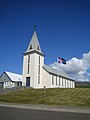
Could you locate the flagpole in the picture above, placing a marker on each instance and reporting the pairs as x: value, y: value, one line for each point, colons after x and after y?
x: 57, y: 74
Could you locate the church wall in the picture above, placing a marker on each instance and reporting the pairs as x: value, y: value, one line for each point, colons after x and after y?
x: 66, y: 83
x: 54, y: 81
x: 33, y: 70
x: 38, y: 72
x: 46, y: 79
x: 59, y: 82
x: 25, y: 66
x: 73, y: 84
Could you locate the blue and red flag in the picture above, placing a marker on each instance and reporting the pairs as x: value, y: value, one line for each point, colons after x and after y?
x: 61, y: 60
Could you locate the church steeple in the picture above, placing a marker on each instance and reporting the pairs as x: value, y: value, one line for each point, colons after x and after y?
x: 33, y: 63
x: 34, y: 43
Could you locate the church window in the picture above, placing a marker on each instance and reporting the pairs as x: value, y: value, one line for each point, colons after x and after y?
x: 39, y: 59
x: 38, y: 69
x: 38, y: 74
x: 28, y: 58
x: 52, y: 79
x: 38, y: 48
x: 59, y: 81
x: 56, y: 80
x: 62, y: 81
x: 28, y: 64
x: 70, y: 84
x: 38, y: 79
x: 28, y: 69
x: 30, y: 47
x: 65, y: 82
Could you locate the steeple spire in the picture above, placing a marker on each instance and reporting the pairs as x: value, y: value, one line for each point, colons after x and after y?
x: 34, y: 43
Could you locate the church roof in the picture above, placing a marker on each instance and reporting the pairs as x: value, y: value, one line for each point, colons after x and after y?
x: 34, y: 43
x: 14, y: 77
x: 57, y: 72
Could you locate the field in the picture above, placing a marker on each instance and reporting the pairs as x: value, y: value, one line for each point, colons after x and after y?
x: 64, y: 97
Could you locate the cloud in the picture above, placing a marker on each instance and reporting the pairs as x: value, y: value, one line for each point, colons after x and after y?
x: 77, y: 68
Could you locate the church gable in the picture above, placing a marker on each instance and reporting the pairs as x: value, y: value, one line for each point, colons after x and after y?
x: 5, y: 78
x: 34, y: 43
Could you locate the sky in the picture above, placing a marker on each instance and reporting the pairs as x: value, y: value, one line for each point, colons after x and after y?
x: 63, y: 29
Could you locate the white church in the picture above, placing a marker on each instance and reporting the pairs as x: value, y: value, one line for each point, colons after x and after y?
x: 38, y: 75
x: 35, y: 73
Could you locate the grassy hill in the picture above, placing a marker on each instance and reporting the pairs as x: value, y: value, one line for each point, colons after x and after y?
x: 68, y: 97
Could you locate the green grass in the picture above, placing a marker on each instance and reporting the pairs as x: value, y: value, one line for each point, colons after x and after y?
x: 66, y: 97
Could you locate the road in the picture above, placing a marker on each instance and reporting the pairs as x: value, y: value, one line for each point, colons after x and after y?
x: 8, y: 113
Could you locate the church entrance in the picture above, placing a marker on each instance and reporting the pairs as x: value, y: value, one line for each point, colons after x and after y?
x: 28, y: 81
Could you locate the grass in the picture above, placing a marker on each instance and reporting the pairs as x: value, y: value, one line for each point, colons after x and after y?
x: 66, y: 97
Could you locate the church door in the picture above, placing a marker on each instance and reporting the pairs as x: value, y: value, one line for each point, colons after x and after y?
x: 28, y: 81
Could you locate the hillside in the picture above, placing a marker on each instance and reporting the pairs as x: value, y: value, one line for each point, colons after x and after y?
x: 68, y: 97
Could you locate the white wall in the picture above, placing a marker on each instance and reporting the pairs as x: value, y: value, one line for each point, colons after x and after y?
x: 33, y: 70
x: 64, y: 83
x: 36, y: 73
x: 46, y: 79
x: 9, y: 85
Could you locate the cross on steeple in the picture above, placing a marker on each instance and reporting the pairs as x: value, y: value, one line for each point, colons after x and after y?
x: 34, y: 27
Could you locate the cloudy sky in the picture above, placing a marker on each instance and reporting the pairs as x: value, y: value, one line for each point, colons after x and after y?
x: 63, y: 29
x: 79, y: 69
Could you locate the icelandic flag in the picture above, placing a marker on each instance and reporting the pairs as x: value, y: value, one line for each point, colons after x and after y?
x: 61, y: 60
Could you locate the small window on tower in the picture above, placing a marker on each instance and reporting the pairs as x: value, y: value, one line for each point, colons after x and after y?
x: 30, y: 46
x: 28, y: 69
x: 38, y: 48
x: 28, y: 58
x: 39, y: 60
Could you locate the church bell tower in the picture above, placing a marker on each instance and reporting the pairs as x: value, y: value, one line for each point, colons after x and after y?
x: 33, y: 62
